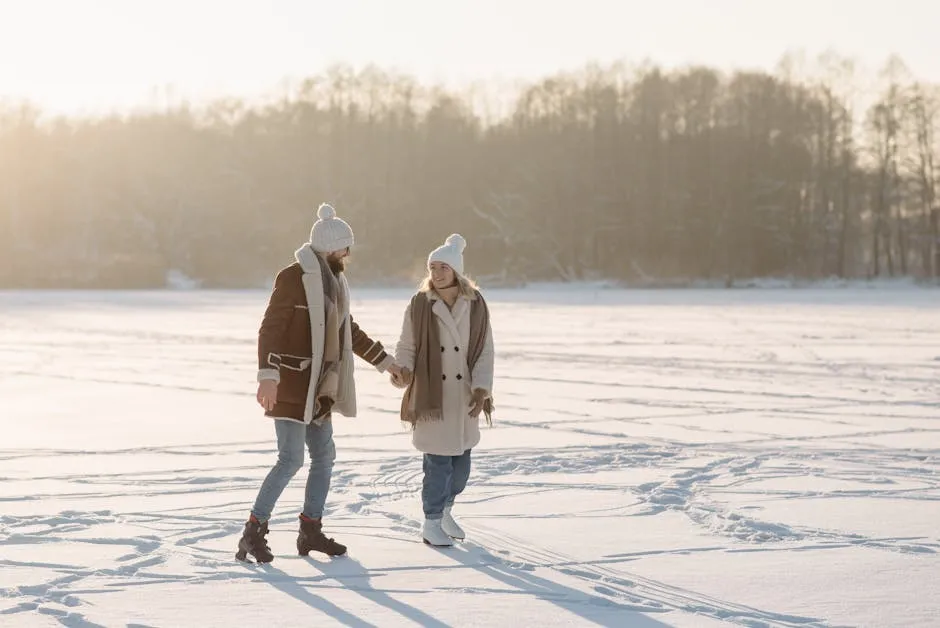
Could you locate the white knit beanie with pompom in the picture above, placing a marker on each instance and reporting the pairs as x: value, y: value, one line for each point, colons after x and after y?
x: 330, y: 233
x: 450, y: 253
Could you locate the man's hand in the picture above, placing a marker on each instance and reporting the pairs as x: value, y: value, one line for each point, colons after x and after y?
x: 477, y: 399
x: 267, y: 394
x: 395, y: 375
x: 395, y: 372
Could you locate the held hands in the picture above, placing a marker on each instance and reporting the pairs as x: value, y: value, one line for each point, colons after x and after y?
x: 400, y: 376
x: 267, y: 394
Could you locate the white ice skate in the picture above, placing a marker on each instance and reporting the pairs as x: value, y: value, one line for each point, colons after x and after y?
x: 450, y: 526
x: 434, y: 535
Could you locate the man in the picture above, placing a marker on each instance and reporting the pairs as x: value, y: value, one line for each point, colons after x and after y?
x: 305, y: 373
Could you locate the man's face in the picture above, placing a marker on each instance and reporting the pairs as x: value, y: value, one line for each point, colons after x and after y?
x: 336, y: 256
x: 337, y: 260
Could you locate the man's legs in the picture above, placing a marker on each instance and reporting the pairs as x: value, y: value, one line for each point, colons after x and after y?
x: 290, y: 458
x: 322, y: 454
x: 322, y: 450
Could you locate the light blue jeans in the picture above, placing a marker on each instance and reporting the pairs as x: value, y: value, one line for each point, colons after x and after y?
x: 445, y: 477
x: 292, y: 436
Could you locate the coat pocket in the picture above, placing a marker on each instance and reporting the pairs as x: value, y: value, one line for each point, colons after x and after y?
x: 295, y: 379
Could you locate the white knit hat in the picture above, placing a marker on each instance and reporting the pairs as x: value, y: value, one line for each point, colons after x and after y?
x: 450, y: 253
x: 330, y: 233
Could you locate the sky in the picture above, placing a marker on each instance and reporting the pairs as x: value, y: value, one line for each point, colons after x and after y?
x: 89, y: 56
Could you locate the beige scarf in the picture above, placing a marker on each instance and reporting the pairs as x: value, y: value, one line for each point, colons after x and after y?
x: 328, y: 385
x: 423, y: 397
x: 331, y: 380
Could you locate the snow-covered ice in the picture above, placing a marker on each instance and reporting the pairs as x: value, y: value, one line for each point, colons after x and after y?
x: 659, y: 458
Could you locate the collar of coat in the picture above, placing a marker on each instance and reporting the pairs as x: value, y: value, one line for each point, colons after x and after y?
x: 308, y: 259
x: 451, y: 317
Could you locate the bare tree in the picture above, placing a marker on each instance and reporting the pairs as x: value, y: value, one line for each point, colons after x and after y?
x: 624, y: 173
x: 924, y: 108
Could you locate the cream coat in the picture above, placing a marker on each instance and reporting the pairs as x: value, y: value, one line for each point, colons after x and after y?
x: 458, y: 431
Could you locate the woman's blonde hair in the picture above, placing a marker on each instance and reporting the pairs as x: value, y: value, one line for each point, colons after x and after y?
x: 466, y: 287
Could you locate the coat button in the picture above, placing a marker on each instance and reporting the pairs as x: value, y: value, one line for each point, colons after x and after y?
x: 442, y: 348
x: 456, y: 348
x: 459, y: 376
x: 443, y: 377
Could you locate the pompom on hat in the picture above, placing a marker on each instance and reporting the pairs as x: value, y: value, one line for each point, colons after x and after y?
x: 450, y: 253
x: 330, y: 233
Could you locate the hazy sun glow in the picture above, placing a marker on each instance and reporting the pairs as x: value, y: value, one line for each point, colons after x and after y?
x: 75, y: 56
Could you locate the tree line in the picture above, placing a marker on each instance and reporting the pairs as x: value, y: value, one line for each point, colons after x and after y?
x: 635, y: 174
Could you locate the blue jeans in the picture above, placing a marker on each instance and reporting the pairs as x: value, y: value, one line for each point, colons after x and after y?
x: 291, y: 438
x: 445, y: 477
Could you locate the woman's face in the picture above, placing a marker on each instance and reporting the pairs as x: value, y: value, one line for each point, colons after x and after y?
x: 442, y: 275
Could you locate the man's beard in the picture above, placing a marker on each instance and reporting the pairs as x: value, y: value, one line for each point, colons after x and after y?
x: 337, y: 264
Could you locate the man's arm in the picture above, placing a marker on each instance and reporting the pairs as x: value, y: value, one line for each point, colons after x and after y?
x: 369, y: 350
x: 273, y: 329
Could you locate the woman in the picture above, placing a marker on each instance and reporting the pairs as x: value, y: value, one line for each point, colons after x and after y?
x: 446, y: 355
